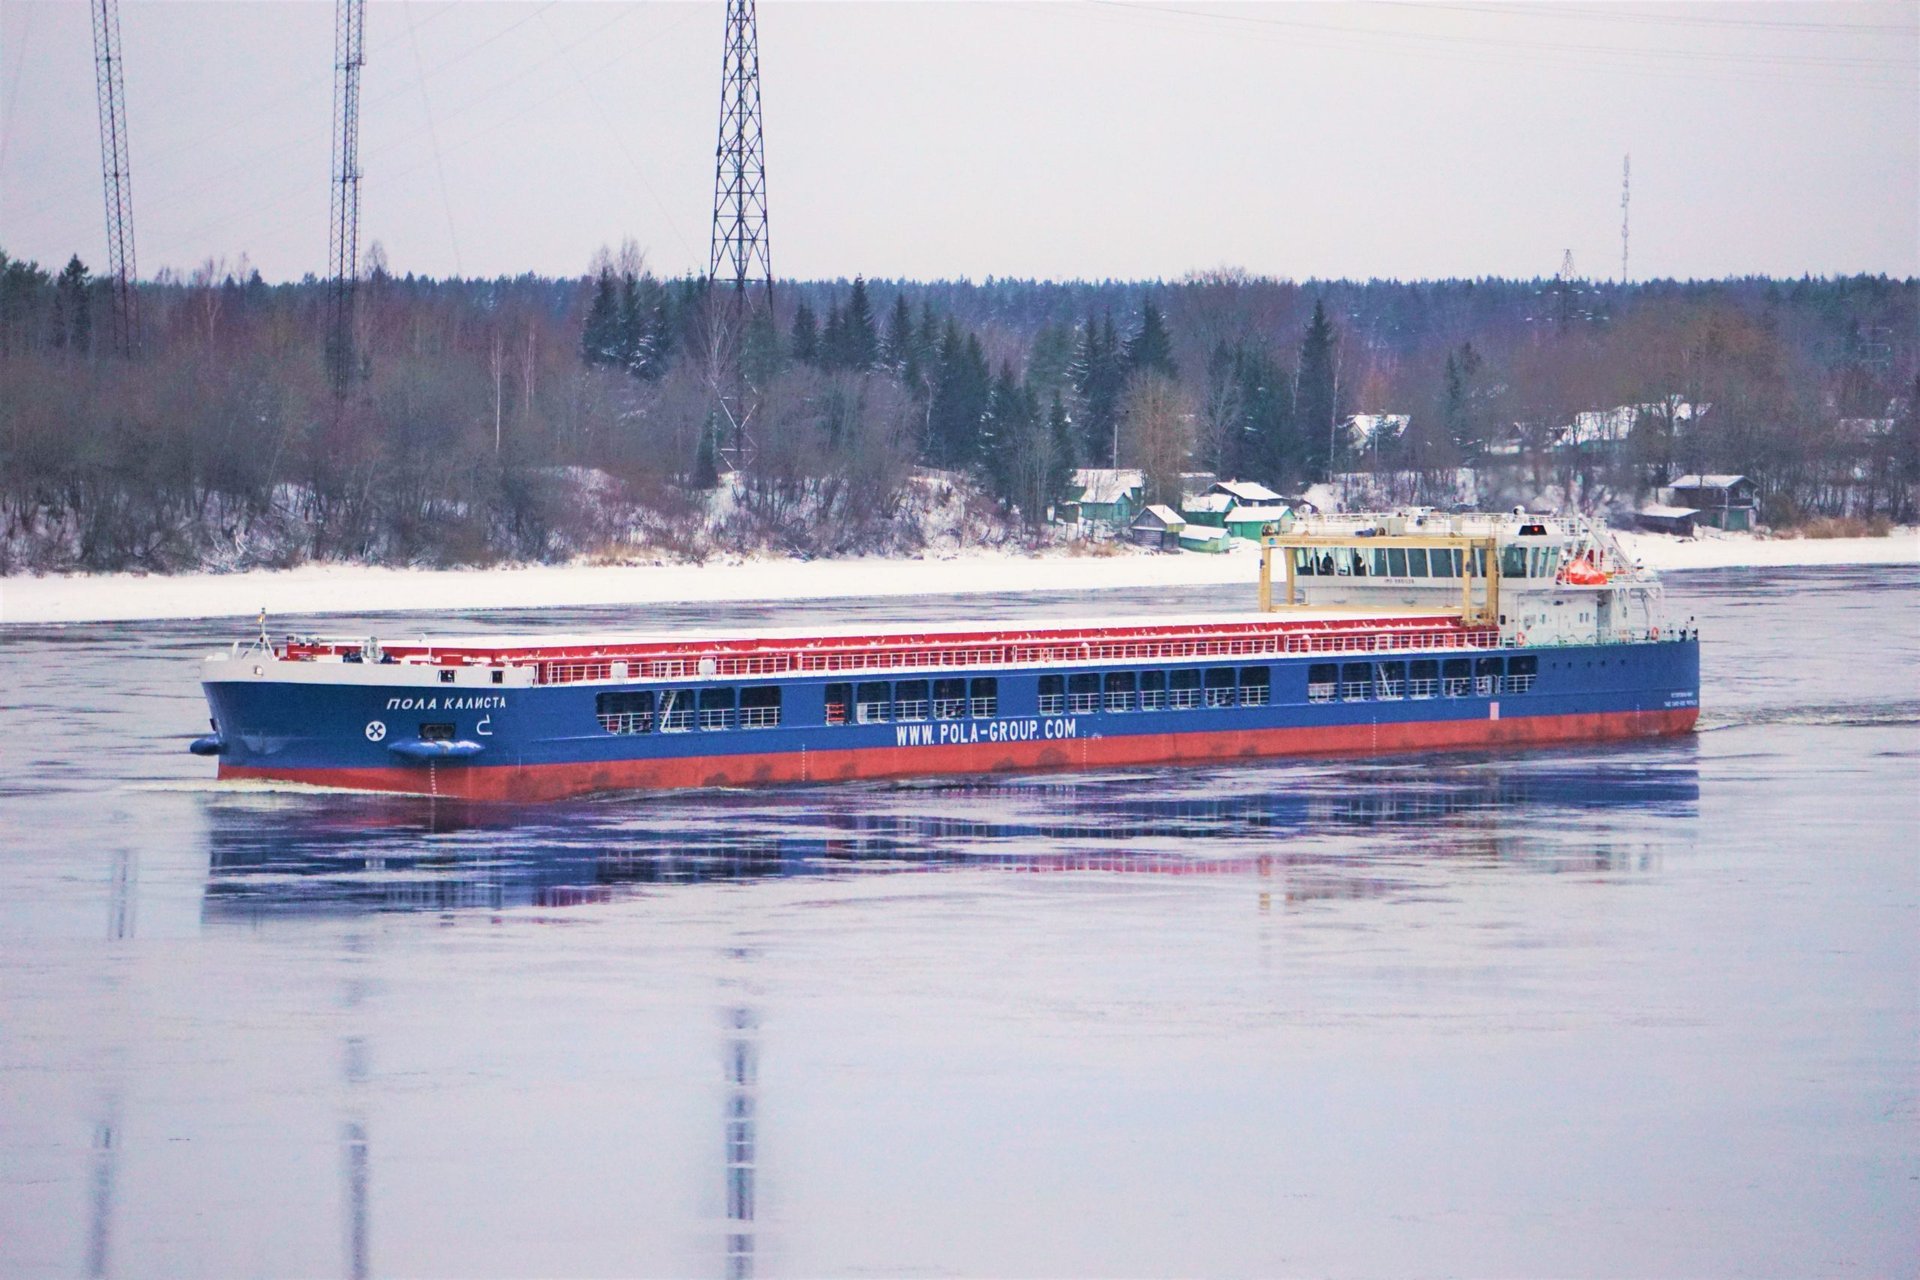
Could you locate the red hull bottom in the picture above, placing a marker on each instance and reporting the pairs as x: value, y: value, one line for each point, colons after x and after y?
x: 553, y: 781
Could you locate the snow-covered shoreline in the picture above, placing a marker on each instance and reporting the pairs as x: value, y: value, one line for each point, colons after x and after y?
x: 337, y: 589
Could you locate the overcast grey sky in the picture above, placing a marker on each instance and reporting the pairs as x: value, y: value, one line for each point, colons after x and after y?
x: 975, y: 139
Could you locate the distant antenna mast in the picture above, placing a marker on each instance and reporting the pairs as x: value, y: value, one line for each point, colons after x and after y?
x: 343, y: 228
x: 740, y: 246
x: 1626, y: 190
x: 116, y: 174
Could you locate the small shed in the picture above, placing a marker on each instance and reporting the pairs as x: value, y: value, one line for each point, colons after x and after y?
x: 1108, y: 495
x: 1655, y: 518
x: 1244, y: 492
x: 1208, y: 509
x: 1250, y: 522
x: 1158, y: 526
x: 1725, y: 502
x: 1201, y: 538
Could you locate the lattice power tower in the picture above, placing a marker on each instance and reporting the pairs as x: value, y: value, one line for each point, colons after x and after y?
x: 116, y: 175
x: 741, y: 251
x: 343, y: 231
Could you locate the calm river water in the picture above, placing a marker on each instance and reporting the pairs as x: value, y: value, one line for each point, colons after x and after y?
x: 1641, y: 1010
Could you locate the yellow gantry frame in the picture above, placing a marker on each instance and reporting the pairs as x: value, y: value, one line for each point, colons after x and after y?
x: 1477, y: 612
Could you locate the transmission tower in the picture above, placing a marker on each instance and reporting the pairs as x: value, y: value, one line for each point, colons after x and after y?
x: 740, y: 245
x: 1626, y: 190
x: 742, y: 253
x: 343, y: 226
x: 117, y: 176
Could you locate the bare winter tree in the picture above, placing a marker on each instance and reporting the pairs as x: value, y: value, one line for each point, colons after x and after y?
x: 1157, y: 430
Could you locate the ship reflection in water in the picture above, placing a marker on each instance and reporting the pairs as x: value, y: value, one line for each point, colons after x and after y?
x: 303, y: 853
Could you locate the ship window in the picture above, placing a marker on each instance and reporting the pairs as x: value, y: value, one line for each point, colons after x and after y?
x: 676, y: 711
x: 1220, y: 686
x: 872, y: 703
x: 499, y: 676
x: 839, y: 696
x: 1119, y: 689
x: 1423, y: 678
x: 716, y: 708
x: 1445, y: 562
x: 1183, y: 690
x: 1417, y: 562
x: 760, y: 706
x: 986, y: 697
x: 1513, y: 561
x: 1083, y: 694
x: 1053, y: 695
x: 1521, y: 673
x: 1359, y: 563
x: 446, y: 675
x: 1390, y: 680
x: 436, y: 733
x: 1153, y: 691
x: 1303, y: 565
x: 949, y: 699
x: 625, y: 712
x: 1356, y: 682
x: 1486, y: 676
x: 1396, y: 562
x: 910, y: 700
x: 1323, y: 679
x: 1456, y: 677
x: 1479, y: 562
x: 1256, y: 686
x: 1379, y: 562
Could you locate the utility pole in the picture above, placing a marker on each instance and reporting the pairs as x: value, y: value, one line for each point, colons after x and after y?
x: 343, y: 225
x: 742, y: 254
x: 1626, y: 190
x: 116, y: 175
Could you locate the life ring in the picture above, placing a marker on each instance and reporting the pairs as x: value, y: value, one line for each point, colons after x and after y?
x: 1520, y: 637
x: 1654, y: 634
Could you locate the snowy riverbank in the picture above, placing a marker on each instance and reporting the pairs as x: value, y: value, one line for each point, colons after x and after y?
x: 323, y: 589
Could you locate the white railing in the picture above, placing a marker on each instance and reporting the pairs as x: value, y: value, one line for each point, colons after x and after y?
x: 759, y: 717
x: 1321, y: 692
x: 1053, y: 704
x: 628, y: 722
x: 1355, y: 690
x: 716, y: 717
x: 949, y: 708
x: 1153, y: 699
x: 1457, y: 686
x: 986, y: 708
x: 1255, y: 695
x: 679, y: 721
x: 1422, y: 688
x: 910, y: 709
x: 1391, y: 690
x: 872, y: 712
x: 1120, y: 700
x: 1083, y: 703
x: 1183, y: 699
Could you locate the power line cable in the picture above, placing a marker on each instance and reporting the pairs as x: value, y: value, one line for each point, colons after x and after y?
x: 433, y: 138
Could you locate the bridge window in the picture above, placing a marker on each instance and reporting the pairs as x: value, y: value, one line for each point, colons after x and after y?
x: 624, y: 712
x: 1423, y: 678
x: 1513, y: 561
x: 1120, y: 691
x: 1445, y: 561
x: 760, y: 707
x: 1417, y: 561
x: 1521, y: 673
x: 910, y: 700
x: 1153, y: 691
x: 872, y: 702
x: 1083, y: 694
x: 949, y: 699
x: 839, y: 698
x: 1220, y: 686
x: 1256, y: 686
x: 716, y: 708
x: 1304, y: 565
x: 1486, y: 676
x: 986, y: 698
x: 1323, y: 681
x: 1183, y: 690
x: 1356, y: 682
x: 1396, y: 562
x: 1053, y: 695
x: 1391, y: 681
x: 1456, y: 677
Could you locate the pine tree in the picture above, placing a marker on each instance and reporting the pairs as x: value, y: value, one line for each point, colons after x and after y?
x: 1063, y: 457
x: 1317, y: 396
x: 600, y: 336
x: 896, y: 349
x: 73, y: 307
x: 1099, y: 376
x: 862, y: 343
x: 806, y: 335
x: 1150, y: 350
x: 706, y: 461
x: 833, y: 339
x: 962, y: 391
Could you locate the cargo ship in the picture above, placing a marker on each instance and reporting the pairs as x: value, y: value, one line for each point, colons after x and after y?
x: 1378, y: 633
